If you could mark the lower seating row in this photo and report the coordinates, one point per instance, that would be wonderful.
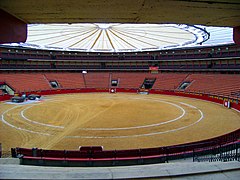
(99, 153)
(222, 84)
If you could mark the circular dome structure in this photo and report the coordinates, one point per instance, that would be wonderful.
(113, 37)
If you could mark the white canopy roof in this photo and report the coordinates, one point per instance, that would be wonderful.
(92, 37)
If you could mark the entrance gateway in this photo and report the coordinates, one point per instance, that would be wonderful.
(143, 89)
(146, 85)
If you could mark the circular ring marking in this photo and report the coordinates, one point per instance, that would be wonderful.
(138, 135)
(44, 124)
(19, 128)
(35, 122)
(139, 127)
(108, 129)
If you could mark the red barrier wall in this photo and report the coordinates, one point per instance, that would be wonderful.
(206, 97)
(202, 96)
(5, 97)
(122, 157)
(197, 96)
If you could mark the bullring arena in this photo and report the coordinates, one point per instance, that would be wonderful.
(114, 121)
(117, 90)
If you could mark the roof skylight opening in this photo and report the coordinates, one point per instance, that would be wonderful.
(103, 26)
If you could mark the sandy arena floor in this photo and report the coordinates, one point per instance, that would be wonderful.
(114, 121)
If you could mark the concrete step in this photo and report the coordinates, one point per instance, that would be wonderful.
(178, 170)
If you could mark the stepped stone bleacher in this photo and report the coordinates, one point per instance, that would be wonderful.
(169, 81)
(97, 80)
(23, 82)
(223, 84)
(130, 80)
(220, 84)
(67, 80)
